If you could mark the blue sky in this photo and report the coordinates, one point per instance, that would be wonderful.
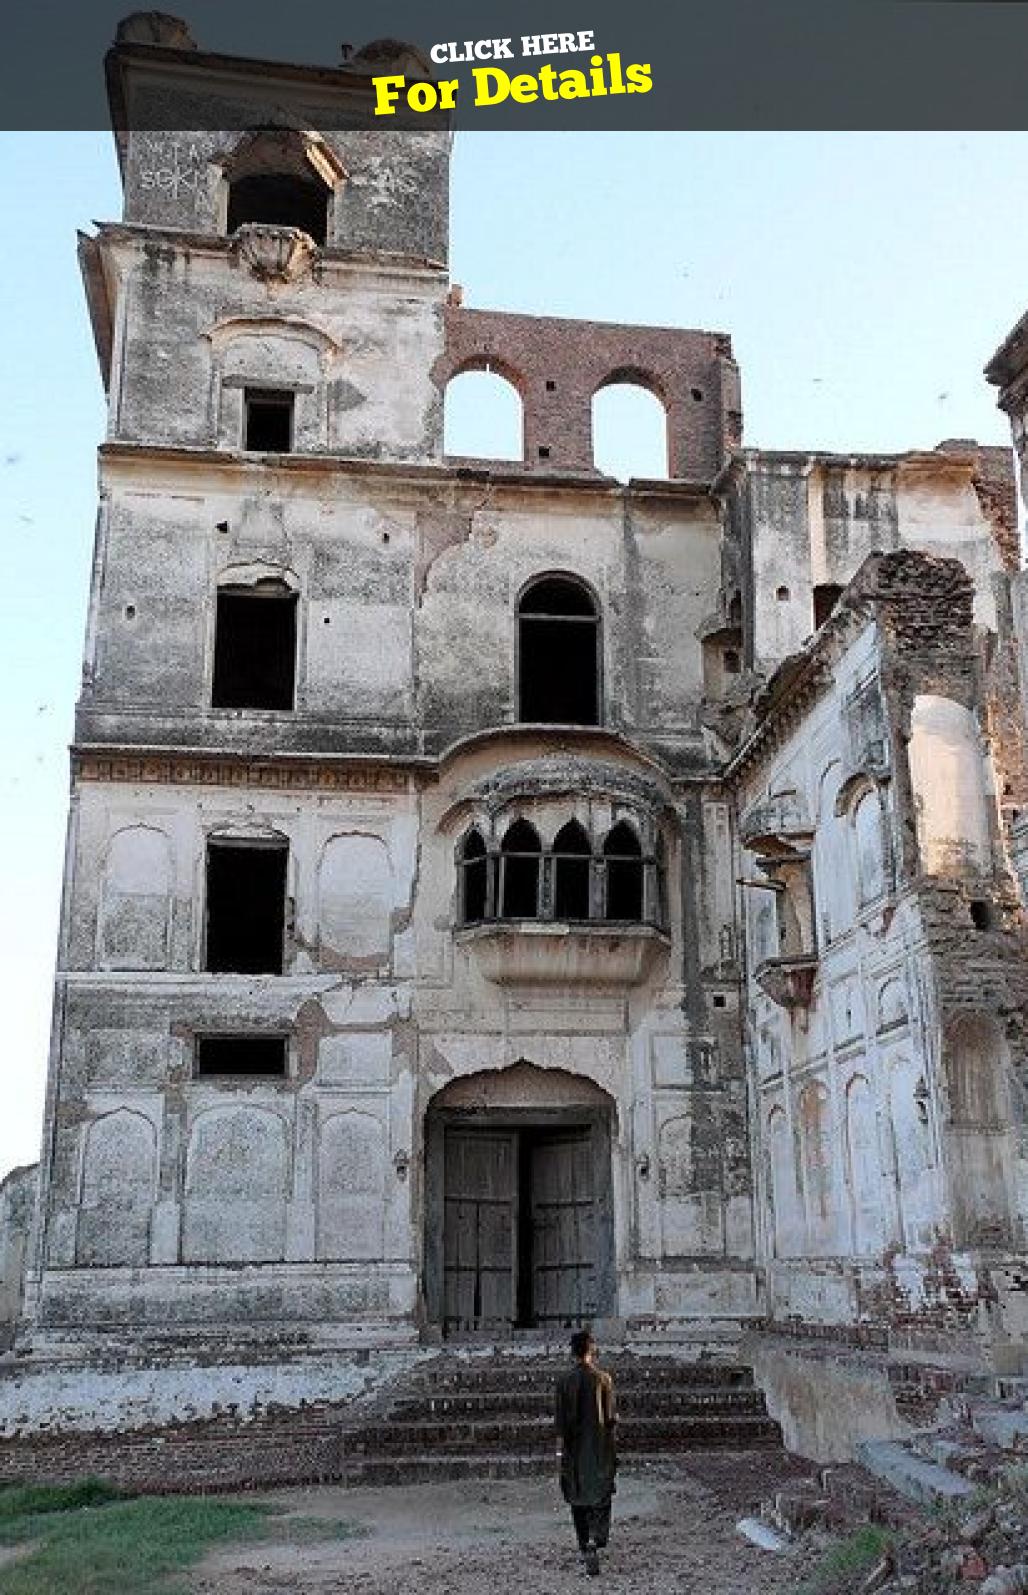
(864, 277)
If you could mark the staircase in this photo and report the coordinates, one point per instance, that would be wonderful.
(480, 1414)
(492, 1417)
(971, 1446)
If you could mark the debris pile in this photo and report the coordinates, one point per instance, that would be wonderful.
(953, 1502)
(981, 1546)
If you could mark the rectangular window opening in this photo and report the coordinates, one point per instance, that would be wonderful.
(268, 420)
(246, 907)
(254, 650)
(826, 597)
(242, 1055)
(559, 671)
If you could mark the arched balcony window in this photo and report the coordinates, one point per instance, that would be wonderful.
(522, 879)
(623, 868)
(473, 865)
(572, 869)
(558, 653)
(520, 858)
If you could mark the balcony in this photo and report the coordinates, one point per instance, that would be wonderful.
(550, 952)
(788, 981)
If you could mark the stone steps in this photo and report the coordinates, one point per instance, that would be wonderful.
(526, 1437)
(428, 1469)
(693, 1401)
(457, 1416)
(490, 1415)
(1003, 1426)
(507, 1373)
(973, 1447)
(912, 1475)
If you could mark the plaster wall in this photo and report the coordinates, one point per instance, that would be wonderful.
(814, 519)
(867, 1158)
(196, 325)
(17, 1206)
(407, 604)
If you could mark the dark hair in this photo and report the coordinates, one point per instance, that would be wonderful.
(581, 1340)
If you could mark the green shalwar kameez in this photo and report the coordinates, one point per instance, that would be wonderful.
(585, 1421)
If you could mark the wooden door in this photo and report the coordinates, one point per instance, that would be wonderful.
(479, 1229)
(564, 1230)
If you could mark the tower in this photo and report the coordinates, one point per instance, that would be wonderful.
(396, 985)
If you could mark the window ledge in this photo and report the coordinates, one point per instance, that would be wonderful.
(544, 952)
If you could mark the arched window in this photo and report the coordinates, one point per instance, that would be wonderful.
(629, 431)
(558, 653)
(623, 867)
(277, 178)
(519, 872)
(572, 864)
(482, 417)
(473, 866)
(816, 1159)
(833, 865)
(524, 880)
(867, 830)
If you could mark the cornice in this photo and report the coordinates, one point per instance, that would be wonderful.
(223, 246)
(385, 773)
(451, 472)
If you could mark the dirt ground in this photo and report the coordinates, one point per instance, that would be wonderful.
(673, 1534)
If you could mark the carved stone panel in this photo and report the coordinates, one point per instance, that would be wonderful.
(236, 1182)
(118, 1175)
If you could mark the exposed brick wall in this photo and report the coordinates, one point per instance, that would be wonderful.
(457, 1418)
(557, 366)
(277, 1447)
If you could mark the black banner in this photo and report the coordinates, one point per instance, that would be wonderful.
(747, 64)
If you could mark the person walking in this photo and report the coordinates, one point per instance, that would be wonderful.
(585, 1420)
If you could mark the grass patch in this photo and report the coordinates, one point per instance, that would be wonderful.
(845, 1561)
(27, 1500)
(105, 1545)
(88, 1538)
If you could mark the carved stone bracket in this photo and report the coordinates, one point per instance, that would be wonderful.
(788, 981)
(274, 253)
(778, 827)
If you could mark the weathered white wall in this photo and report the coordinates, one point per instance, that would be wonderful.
(814, 519)
(948, 776)
(881, 1130)
(384, 1006)
(17, 1209)
(831, 1078)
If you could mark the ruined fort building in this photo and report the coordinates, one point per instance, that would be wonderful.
(499, 897)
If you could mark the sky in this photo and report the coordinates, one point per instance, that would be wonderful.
(865, 278)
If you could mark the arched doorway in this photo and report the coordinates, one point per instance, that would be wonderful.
(519, 1227)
